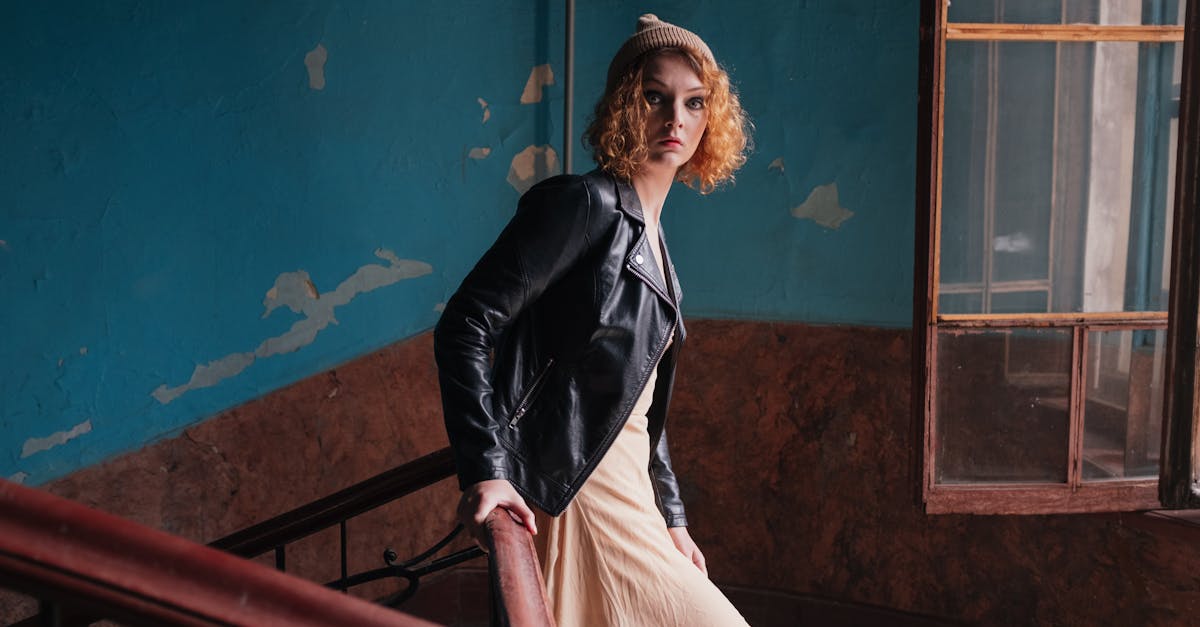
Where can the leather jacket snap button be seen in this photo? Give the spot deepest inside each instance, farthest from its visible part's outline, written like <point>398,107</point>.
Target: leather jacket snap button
<point>639,259</point>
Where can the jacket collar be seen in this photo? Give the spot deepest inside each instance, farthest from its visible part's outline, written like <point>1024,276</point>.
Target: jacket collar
<point>628,198</point>
<point>630,204</point>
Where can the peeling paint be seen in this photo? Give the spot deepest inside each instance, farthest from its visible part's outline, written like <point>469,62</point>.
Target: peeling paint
<point>19,477</point>
<point>4,246</point>
<point>539,77</point>
<point>822,207</point>
<point>777,164</point>
<point>304,284</point>
<point>297,292</point>
<point>487,113</point>
<point>531,165</point>
<point>480,153</point>
<point>440,307</point>
<point>33,446</point>
<point>82,350</point>
<point>315,62</point>
<point>206,375</point>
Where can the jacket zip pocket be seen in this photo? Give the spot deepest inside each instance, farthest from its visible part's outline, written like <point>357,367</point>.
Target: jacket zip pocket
<point>523,406</point>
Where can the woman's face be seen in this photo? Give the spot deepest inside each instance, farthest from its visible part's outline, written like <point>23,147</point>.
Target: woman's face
<point>678,110</point>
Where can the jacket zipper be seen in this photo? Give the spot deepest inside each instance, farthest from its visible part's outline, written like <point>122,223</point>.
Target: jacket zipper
<point>523,406</point>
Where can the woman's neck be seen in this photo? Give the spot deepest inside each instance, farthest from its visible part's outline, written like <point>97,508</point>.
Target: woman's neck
<point>652,186</point>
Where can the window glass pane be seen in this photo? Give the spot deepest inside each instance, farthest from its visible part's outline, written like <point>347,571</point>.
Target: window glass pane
<point>1122,417</point>
<point>1056,174</point>
<point>1116,12</point>
<point>965,302</point>
<point>1019,302</point>
<point>1002,406</point>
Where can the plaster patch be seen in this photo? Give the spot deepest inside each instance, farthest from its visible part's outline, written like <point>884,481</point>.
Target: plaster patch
<point>822,207</point>
<point>440,307</point>
<point>777,164</point>
<point>531,165</point>
<point>480,153</point>
<point>206,375</point>
<point>487,113</point>
<point>315,62</point>
<point>20,477</point>
<point>297,292</point>
<point>33,446</point>
<point>539,77</point>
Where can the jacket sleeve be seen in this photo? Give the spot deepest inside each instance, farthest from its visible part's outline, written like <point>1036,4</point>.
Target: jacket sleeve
<point>543,240</point>
<point>666,487</point>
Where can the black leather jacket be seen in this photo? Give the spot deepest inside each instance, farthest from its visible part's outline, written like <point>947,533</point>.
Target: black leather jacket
<point>551,338</point>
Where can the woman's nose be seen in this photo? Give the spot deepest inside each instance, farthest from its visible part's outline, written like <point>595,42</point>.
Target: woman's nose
<point>676,117</point>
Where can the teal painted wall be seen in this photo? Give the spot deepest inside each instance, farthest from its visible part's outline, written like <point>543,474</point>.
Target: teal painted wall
<point>203,202</point>
<point>832,89</point>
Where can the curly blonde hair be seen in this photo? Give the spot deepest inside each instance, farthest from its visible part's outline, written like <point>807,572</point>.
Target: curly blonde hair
<point>616,133</point>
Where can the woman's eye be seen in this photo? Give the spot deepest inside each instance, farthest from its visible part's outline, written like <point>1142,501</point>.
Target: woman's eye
<point>653,97</point>
<point>696,103</point>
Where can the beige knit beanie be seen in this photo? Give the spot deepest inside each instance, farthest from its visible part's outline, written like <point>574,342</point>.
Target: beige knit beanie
<point>652,34</point>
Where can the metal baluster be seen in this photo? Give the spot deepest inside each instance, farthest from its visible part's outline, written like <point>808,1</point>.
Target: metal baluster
<point>49,613</point>
<point>342,526</point>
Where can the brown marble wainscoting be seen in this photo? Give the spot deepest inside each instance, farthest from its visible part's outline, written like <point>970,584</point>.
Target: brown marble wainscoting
<point>792,445</point>
<point>289,448</point>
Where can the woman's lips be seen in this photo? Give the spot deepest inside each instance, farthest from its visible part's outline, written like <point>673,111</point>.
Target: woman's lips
<point>670,141</point>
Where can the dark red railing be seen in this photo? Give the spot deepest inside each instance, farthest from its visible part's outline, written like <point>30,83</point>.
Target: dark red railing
<point>77,559</point>
<point>518,593</point>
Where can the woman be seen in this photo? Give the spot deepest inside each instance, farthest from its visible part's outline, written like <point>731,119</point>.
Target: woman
<point>557,354</point>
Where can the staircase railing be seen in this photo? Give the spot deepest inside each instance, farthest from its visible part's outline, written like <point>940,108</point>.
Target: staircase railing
<point>336,509</point>
<point>518,592</point>
<point>76,559</point>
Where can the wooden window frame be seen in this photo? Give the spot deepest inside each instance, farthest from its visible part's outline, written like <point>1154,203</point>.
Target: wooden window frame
<point>1178,462</point>
<point>1182,361</point>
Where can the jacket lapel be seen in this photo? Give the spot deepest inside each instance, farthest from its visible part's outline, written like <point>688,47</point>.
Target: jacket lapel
<point>640,259</point>
<point>680,333</point>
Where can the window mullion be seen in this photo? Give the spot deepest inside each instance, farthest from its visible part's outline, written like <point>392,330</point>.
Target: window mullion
<point>1077,404</point>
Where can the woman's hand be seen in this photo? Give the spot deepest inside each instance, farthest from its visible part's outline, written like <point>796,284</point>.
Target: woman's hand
<point>683,542</point>
<point>480,499</point>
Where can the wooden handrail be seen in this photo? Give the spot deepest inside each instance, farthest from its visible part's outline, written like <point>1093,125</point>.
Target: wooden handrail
<point>352,501</point>
<point>518,591</point>
<point>59,550</point>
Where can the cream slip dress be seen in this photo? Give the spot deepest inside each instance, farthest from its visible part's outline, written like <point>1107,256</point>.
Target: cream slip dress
<point>608,559</point>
